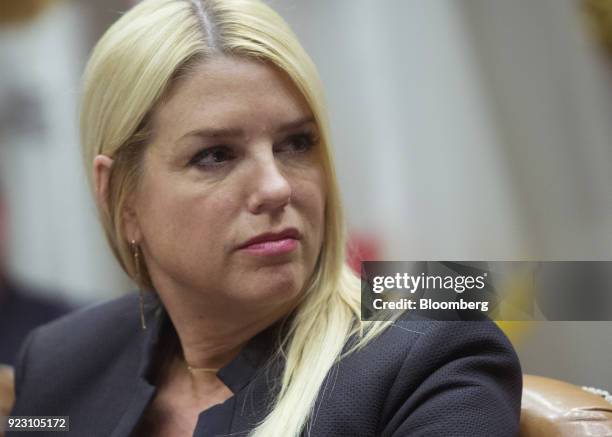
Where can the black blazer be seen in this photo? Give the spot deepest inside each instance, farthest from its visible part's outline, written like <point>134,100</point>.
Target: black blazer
<point>418,378</point>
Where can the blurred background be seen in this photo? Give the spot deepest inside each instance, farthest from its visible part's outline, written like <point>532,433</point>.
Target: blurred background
<point>464,130</point>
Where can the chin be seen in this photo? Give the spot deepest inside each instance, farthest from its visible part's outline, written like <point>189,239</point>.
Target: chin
<point>279,285</point>
<point>286,288</point>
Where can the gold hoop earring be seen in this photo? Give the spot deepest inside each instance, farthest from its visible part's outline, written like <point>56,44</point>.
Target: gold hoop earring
<point>135,250</point>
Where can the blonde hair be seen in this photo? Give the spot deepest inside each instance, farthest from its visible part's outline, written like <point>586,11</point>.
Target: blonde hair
<point>130,71</point>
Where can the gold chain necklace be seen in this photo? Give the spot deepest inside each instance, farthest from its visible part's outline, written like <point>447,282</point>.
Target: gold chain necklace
<point>201,369</point>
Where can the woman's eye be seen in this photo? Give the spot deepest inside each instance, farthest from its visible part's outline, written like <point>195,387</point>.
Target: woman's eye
<point>212,157</point>
<point>298,143</point>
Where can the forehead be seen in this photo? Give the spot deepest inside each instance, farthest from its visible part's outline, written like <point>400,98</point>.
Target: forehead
<point>226,92</point>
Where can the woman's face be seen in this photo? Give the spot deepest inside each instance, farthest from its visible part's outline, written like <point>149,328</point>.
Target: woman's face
<point>234,157</point>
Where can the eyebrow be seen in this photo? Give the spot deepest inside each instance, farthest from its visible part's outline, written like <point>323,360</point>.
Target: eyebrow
<point>238,132</point>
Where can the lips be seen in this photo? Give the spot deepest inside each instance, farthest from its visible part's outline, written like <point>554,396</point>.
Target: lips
<point>269,237</point>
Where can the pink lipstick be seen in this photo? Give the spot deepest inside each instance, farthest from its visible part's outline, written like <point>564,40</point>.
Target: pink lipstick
<point>271,243</point>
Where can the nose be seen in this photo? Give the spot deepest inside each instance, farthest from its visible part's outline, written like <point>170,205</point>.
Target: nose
<point>270,189</point>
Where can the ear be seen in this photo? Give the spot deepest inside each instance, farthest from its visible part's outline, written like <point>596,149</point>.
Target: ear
<point>102,169</point>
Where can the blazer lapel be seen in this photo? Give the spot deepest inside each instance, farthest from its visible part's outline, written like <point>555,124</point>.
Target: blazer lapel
<point>140,393</point>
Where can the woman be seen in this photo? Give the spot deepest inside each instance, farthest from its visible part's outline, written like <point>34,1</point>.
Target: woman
<point>206,140</point>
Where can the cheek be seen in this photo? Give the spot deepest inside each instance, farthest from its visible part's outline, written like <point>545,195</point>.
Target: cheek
<point>312,196</point>
<point>185,223</point>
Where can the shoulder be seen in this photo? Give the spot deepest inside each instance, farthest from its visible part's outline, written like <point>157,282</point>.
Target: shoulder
<point>87,364</point>
<point>474,351</point>
<point>101,322</point>
<point>453,338</point>
<point>68,349</point>
<point>419,347</point>
<point>439,341</point>
<point>456,375</point>
<point>441,377</point>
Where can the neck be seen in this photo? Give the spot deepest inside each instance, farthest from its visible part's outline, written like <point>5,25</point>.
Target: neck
<point>210,335</point>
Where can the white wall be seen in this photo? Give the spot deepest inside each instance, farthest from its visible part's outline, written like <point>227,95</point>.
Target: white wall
<point>55,240</point>
<point>553,105</point>
<point>420,160</point>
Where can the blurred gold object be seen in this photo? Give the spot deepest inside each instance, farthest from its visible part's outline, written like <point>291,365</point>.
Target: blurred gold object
<point>516,331</point>
<point>599,20</point>
<point>516,313</point>
<point>21,11</point>
<point>7,390</point>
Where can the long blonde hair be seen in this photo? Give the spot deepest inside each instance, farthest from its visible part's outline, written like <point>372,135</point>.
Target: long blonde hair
<point>130,71</point>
